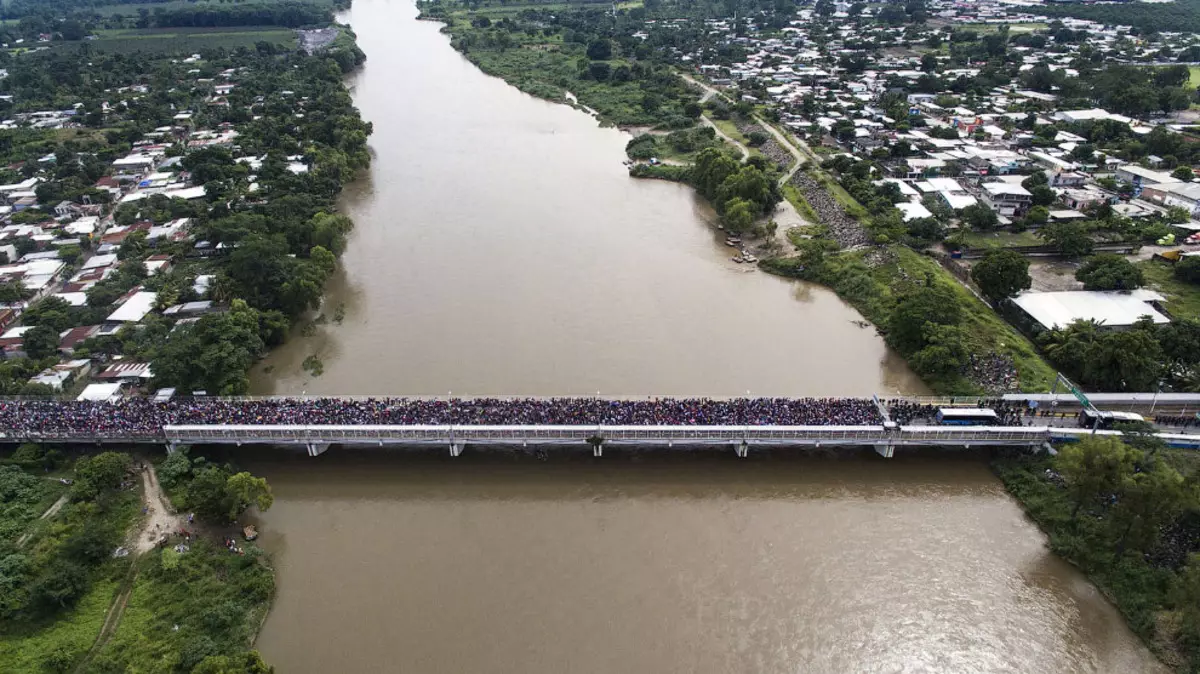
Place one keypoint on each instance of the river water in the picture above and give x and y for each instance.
(502, 249)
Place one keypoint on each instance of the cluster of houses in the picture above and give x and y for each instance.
(962, 156)
(75, 246)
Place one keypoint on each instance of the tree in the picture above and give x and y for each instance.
(1001, 273)
(99, 474)
(53, 312)
(1043, 195)
(1038, 215)
(1183, 173)
(40, 342)
(245, 490)
(933, 303)
(600, 50)
(1188, 269)
(1094, 467)
(1185, 595)
(214, 354)
(1177, 215)
(1109, 272)
(13, 291)
(1070, 238)
(247, 663)
(1149, 498)
(739, 215)
(1129, 360)
(220, 497)
(945, 351)
(980, 218)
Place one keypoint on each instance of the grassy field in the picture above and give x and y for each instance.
(1000, 239)
(64, 640)
(206, 601)
(1013, 28)
(162, 40)
(1194, 76)
(1183, 299)
(131, 8)
(546, 67)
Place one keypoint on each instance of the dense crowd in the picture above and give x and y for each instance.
(844, 229)
(992, 372)
(142, 416)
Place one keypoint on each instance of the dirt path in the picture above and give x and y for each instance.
(50, 512)
(160, 519)
(723, 136)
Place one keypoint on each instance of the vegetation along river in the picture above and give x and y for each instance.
(502, 249)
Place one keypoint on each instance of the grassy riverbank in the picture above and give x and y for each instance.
(204, 603)
(1147, 578)
(58, 574)
(530, 49)
(874, 280)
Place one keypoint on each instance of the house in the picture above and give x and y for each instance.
(133, 309)
(128, 372)
(69, 339)
(60, 376)
(109, 392)
(1136, 175)
(1183, 195)
(1007, 199)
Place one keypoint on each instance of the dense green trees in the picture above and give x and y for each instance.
(1070, 238)
(740, 192)
(1109, 272)
(1105, 360)
(213, 354)
(932, 303)
(1001, 273)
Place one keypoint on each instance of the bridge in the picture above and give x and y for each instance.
(740, 423)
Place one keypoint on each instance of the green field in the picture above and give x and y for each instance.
(66, 639)
(1013, 28)
(1183, 299)
(131, 8)
(163, 40)
(1194, 76)
(1000, 239)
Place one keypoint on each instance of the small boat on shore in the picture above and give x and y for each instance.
(739, 259)
(747, 257)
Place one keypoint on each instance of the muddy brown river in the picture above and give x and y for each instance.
(502, 249)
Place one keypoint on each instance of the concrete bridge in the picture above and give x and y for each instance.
(175, 423)
(884, 439)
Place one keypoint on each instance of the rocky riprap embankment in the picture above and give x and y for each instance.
(844, 229)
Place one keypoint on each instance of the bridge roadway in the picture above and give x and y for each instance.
(317, 439)
(155, 424)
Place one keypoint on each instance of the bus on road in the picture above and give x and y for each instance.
(967, 416)
(1087, 419)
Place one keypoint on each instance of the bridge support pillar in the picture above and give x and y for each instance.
(456, 448)
(885, 450)
(597, 450)
(171, 447)
(742, 450)
(317, 448)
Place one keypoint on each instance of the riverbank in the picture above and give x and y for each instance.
(1148, 578)
(989, 355)
(122, 599)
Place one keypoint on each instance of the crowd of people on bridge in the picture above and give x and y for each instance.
(144, 417)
